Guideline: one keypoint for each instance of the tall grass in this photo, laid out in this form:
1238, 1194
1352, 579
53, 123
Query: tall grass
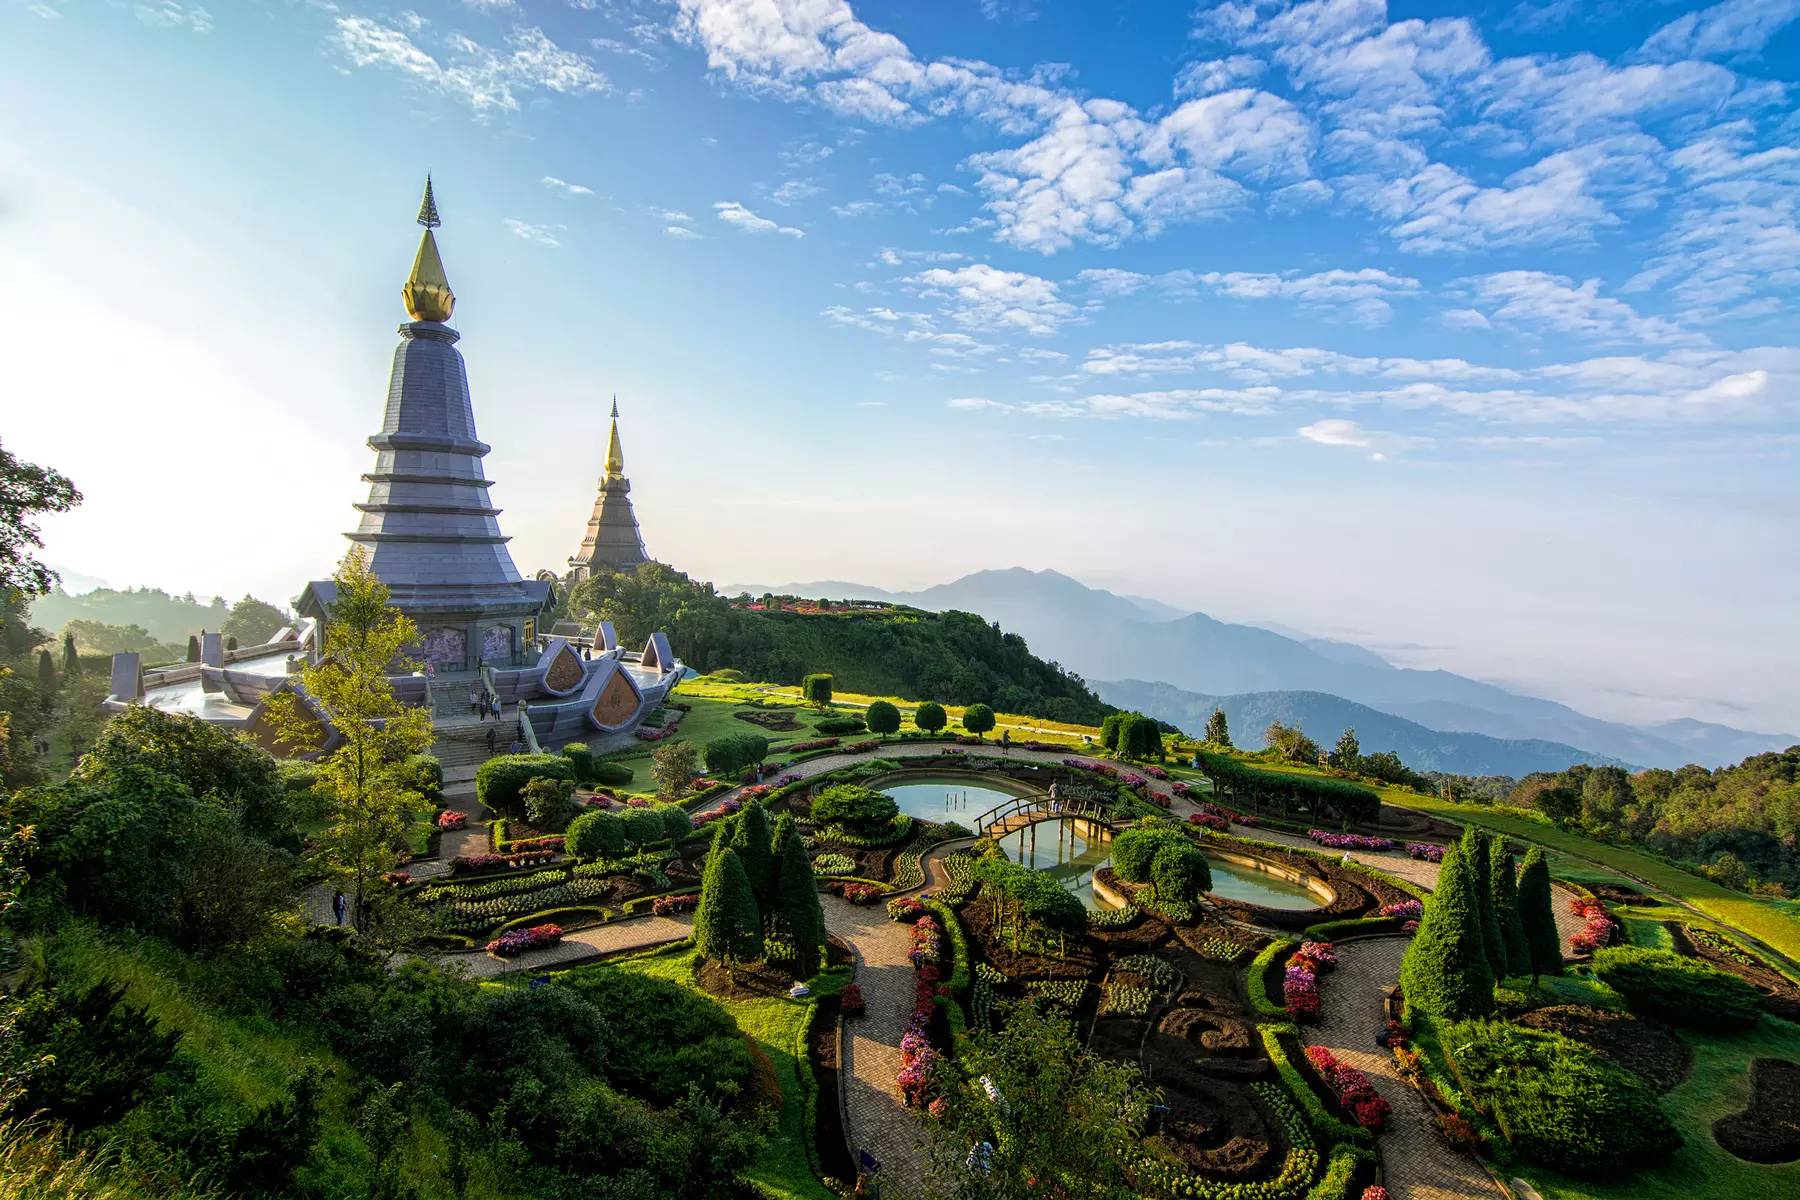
35, 1165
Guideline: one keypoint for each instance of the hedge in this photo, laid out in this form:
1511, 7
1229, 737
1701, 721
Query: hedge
1351, 800
500, 781
611, 774
1257, 980
1339, 1180
961, 974
1317, 1115
1331, 931
1682, 991
583, 760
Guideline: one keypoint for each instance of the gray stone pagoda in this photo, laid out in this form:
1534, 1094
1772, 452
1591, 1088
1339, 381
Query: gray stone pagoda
429, 528
613, 541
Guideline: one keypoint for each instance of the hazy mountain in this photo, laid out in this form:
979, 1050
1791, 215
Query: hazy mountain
1324, 717
1105, 636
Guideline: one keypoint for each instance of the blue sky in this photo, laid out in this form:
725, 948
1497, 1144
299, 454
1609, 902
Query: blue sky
1464, 331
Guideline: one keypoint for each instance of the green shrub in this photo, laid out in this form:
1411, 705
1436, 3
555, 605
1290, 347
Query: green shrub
883, 718
550, 804
1557, 1102
500, 782
816, 689
930, 716
833, 726
1339, 1180
978, 719
1257, 979
582, 759
1537, 915
595, 834
858, 809
735, 751
1317, 1115
662, 1037
727, 675
643, 826
1179, 872
1683, 991
1445, 971
611, 774
1134, 851
676, 821
421, 773
103, 1052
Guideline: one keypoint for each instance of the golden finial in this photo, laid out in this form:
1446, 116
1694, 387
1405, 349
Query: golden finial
427, 292
615, 455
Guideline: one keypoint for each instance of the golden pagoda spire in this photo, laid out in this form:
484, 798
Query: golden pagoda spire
615, 455
427, 292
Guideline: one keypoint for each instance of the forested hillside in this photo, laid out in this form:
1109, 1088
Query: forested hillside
952, 657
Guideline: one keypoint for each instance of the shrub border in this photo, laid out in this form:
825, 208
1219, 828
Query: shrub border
1323, 1122
1256, 981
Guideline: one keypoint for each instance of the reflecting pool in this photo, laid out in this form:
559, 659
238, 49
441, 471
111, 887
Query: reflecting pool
1247, 885
947, 797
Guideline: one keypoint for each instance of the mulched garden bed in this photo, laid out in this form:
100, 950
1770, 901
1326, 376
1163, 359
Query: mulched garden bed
828, 1120
1648, 1050
753, 981
1769, 1130
1616, 893
776, 721
1780, 996
1084, 959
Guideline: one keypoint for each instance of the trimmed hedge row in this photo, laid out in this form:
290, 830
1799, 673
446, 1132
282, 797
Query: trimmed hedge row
1320, 1117
1351, 800
1680, 990
1339, 1180
1337, 931
500, 781
1271, 958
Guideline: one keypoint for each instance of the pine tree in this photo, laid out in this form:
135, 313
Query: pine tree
46, 671
1538, 916
797, 906
71, 657
727, 925
1475, 849
1445, 971
1218, 730
1505, 888
751, 838
193, 649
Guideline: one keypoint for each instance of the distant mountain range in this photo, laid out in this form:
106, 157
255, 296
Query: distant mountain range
1323, 718
1105, 636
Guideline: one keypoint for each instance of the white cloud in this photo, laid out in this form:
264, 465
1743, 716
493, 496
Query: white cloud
565, 188
735, 214
1555, 303
980, 296
1735, 28
683, 232
669, 214
491, 5
480, 77
168, 14
856, 208
1217, 75
794, 191
537, 235
1465, 318
977, 403
1335, 431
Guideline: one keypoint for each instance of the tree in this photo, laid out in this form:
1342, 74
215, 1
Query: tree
978, 719
1045, 1116
677, 824
1347, 754
727, 925
1505, 888
1445, 971
193, 649
1605, 796
365, 639
816, 690
1218, 730
857, 808
930, 716
643, 827
1538, 916
798, 913
733, 752
219, 765
883, 718
752, 841
46, 671
1137, 736
550, 804
71, 658
674, 766
27, 489
1180, 873
1475, 849
1291, 743
252, 621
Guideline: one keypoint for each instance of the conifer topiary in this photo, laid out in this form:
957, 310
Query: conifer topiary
1505, 887
750, 839
1445, 971
1538, 916
1493, 945
727, 923
797, 907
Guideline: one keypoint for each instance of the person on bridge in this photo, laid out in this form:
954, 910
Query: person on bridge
1055, 796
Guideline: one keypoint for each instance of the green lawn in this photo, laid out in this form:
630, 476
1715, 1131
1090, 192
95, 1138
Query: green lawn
1700, 1170
778, 1024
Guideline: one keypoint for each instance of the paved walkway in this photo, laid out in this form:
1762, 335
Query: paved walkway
879, 1123
635, 933
1417, 1164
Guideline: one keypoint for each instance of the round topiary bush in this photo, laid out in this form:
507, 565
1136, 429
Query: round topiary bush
1682, 991
611, 774
595, 834
500, 782
858, 809
1135, 850
1180, 872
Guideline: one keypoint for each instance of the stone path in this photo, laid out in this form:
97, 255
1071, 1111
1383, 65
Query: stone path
1417, 1164
878, 1122
635, 933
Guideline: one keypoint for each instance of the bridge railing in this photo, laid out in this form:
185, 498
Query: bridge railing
1039, 807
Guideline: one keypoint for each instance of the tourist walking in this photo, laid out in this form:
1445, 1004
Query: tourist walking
475, 701
337, 906
492, 733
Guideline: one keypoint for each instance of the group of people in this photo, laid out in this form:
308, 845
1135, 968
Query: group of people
483, 705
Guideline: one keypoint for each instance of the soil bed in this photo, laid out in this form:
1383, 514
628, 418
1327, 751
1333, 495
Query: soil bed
1769, 1130
1780, 996
753, 981
1648, 1050
776, 721
828, 1120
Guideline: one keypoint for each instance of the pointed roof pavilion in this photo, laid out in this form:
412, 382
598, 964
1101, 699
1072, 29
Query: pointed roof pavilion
612, 539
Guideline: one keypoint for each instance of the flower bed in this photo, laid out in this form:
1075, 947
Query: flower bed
1065, 992
816, 744
1162, 1178
1221, 950
1126, 1000
1209, 821
833, 864
1300, 983
668, 906
725, 809
1406, 910
850, 1001
863, 747
469, 863
451, 819
552, 842
1161, 975
1350, 841
1425, 851
1113, 918
905, 908
985, 995
960, 867
917, 1058
1230, 815
1353, 1088
863, 893
518, 941
1602, 929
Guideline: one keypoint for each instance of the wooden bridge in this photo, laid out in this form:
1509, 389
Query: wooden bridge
1041, 806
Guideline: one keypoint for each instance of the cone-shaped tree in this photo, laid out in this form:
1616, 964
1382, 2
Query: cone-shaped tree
797, 908
71, 657
1537, 915
1505, 888
46, 671
1446, 970
727, 925
193, 650
1475, 849
751, 838
1218, 729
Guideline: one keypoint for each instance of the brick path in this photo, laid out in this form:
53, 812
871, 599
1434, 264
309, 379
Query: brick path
636, 933
1416, 1162
879, 1123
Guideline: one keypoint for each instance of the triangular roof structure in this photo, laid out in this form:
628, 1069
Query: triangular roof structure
612, 541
